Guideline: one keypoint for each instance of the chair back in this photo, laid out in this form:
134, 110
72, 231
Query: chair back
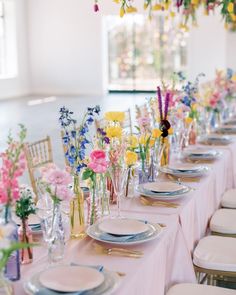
38, 154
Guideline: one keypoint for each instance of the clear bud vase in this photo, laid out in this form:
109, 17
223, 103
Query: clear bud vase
165, 157
56, 245
77, 222
25, 236
130, 185
94, 204
104, 197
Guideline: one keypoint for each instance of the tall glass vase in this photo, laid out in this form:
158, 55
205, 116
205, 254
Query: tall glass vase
165, 146
77, 222
12, 269
54, 235
25, 236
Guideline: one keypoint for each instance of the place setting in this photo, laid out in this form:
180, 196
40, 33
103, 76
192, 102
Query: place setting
79, 280
215, 139
124, 232
200, 155
226, 129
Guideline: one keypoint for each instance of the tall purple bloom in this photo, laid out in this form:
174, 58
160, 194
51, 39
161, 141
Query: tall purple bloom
167, 101
160, 102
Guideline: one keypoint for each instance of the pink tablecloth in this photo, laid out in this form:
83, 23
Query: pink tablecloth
166, 261
196, 208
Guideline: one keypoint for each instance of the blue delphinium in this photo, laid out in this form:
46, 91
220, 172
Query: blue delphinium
74, 137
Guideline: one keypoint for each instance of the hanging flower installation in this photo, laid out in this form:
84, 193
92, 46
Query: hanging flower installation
186, 9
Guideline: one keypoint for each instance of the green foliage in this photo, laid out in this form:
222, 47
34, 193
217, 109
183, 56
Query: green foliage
25, 206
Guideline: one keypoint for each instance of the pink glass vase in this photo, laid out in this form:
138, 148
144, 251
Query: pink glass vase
25, 236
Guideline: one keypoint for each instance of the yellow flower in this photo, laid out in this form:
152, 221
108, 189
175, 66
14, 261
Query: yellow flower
230, 7
172, 14
170, 131
116, 1
145, 5
115, 116
156, 133
114, 131
194, 2
131, 9
188, 120
130, 158
122, 11
132, 141
143, 139
166, 5
157, 7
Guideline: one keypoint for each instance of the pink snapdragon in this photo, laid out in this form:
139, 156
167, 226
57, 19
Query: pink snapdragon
98, 163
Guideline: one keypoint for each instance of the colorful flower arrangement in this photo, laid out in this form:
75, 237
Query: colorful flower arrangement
187, 10
74, 137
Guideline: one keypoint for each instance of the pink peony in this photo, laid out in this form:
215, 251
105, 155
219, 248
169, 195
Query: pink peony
98, 161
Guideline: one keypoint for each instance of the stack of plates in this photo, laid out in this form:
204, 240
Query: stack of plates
163, 190
185, 170
228, 129
78, 280
201, 154
123, 231
215, 139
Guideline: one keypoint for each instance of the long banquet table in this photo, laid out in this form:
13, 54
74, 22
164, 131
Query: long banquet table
166, 260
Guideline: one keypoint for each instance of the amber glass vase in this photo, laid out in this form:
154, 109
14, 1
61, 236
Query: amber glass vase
77, 222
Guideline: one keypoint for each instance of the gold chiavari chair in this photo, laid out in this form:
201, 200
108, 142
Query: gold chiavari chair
127, 124
38, 154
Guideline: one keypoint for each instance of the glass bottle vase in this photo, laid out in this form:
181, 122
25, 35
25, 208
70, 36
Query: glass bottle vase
94, 204
12, 268
25, 236
165, 157
77, 222
54, 235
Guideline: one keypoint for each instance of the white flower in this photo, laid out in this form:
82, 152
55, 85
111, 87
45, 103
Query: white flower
27, 191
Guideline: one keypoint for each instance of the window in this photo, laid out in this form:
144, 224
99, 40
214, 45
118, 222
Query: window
141, 53
8, 56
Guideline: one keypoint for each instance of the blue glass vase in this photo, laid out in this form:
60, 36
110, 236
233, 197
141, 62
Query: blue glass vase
12, 269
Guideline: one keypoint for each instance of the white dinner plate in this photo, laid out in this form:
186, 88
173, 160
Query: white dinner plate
123, 226
198, 172
68, 278
200, 151
153, 232
184, 167
162, 187
33, 286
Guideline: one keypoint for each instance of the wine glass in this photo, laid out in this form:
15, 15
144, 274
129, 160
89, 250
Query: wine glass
119, 175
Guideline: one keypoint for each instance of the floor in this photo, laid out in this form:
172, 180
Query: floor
40, 115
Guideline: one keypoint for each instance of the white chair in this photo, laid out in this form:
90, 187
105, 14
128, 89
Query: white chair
229, 199
215, 257
223, 222
196, 289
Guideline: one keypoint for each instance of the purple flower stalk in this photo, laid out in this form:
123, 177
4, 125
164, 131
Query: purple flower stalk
96, 7
167, 101
160, 102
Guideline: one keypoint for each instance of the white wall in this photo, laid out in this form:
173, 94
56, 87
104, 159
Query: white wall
20, 85
231, 50
67, 46
207, 46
